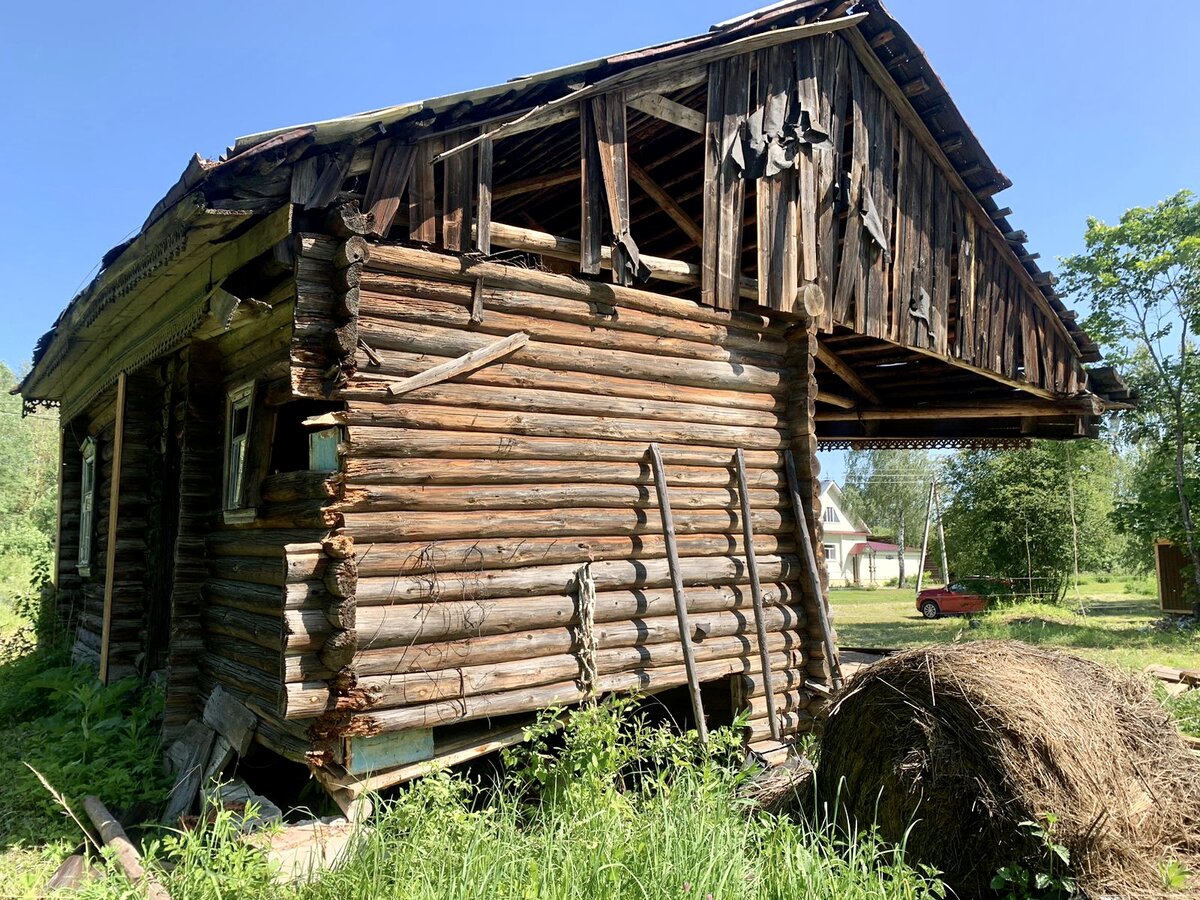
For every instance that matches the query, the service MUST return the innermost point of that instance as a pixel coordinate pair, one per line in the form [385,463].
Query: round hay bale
[949,749]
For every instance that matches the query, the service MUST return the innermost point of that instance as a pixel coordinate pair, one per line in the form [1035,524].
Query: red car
[954,599]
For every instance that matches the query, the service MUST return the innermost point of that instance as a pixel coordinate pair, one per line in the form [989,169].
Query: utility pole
[937,502]
[924,537]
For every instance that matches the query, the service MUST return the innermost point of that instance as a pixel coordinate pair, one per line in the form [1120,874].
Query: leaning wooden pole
[924,538]
[110,549]
[114,837]
[681,613]
[809,557]
[760,625]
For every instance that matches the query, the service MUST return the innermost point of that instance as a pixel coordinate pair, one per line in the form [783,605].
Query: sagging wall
[471,504]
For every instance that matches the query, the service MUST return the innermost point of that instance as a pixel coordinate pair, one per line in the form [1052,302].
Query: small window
[830,515]
[87,506]
[831,552]
[238,412]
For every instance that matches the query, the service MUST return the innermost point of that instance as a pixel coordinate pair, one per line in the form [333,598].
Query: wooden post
[681,613]
[110,550]
[809,558]
[924,538]
[760,625]
[58,516]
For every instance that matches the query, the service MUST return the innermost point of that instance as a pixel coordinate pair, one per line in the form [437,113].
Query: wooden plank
[681,611]
[230,718]
[114,508]
[809,558]
[731,186]
[458,183]
[669,111]
[712,169]
[666,203]
[776,197]
[609,119]
[468,362]
[851,274]
[590,193]
[760,625]
[378,753]
[390,172]
[483,192]
[188,781]
[808,277]
[422,199]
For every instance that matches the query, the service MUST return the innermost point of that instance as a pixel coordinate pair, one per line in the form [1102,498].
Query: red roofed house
[852,556]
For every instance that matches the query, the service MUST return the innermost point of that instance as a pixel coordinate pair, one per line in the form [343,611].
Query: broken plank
[660,107]
[469,362]
[229,717]
[390,173]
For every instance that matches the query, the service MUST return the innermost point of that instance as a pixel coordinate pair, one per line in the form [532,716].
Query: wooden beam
[677,64]
[676,271]
[681,611]
[666,203]
[760,625]
[468,362]
[836,400]
[976,411]
[110,550]
[808,555]
[667,110]
[483,192]
[839,368]
[126,855]
[390,171]
[535,183]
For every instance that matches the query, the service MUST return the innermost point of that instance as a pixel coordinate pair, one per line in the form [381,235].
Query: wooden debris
[228,717]
[125,853]
[302,852]
[189,779]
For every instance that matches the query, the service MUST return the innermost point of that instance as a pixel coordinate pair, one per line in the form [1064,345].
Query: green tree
[1040,513]
[28,488]
[1142,277]
[889,490]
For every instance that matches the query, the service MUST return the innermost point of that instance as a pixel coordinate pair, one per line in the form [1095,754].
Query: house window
[830,515]
[87,506]
[831,552]
[239,407]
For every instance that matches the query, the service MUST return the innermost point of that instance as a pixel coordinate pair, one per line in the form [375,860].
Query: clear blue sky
[1089,108]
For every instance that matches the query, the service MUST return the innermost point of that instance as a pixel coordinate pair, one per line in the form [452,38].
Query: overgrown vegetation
[610,807]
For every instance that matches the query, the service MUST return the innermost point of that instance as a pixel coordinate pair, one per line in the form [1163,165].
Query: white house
[852,555]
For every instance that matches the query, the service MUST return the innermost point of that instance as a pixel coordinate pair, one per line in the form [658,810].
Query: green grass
[1186,710]
[1110,620]
[608,808]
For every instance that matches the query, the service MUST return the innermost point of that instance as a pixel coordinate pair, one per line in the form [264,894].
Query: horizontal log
[734,374]
[390,364]
[391,442]
[360,472]
[407,260]
[384,692]
[662,269]
[369,393]
[303,485]
[532,581]
[981,410]
[536,643]
[418,623]
[452,418]
[798,722]
[455,498]
[531,699]
[383,310]
[261,631]
[568,523]
[729,333]
[375,559]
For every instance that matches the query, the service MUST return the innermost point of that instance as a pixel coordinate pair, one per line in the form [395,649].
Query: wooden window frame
[831,557]
[87,506]
[234,484]
[830,515]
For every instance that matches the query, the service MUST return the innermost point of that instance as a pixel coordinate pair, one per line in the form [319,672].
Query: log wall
[470,505]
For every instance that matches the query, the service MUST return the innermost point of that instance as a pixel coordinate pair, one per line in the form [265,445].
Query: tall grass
[608,808]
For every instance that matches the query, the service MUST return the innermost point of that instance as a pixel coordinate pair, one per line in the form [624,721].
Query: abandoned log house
[403,426]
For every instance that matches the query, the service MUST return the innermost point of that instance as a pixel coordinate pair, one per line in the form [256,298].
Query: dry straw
[951,748]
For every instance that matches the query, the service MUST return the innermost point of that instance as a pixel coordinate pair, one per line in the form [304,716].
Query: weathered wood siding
[472,503]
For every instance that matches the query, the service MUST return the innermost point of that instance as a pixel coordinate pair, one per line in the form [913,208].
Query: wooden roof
[536,181]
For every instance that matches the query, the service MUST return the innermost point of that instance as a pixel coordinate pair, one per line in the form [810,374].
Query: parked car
[952,600]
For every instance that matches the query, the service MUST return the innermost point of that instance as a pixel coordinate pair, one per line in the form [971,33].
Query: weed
[1050,879]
